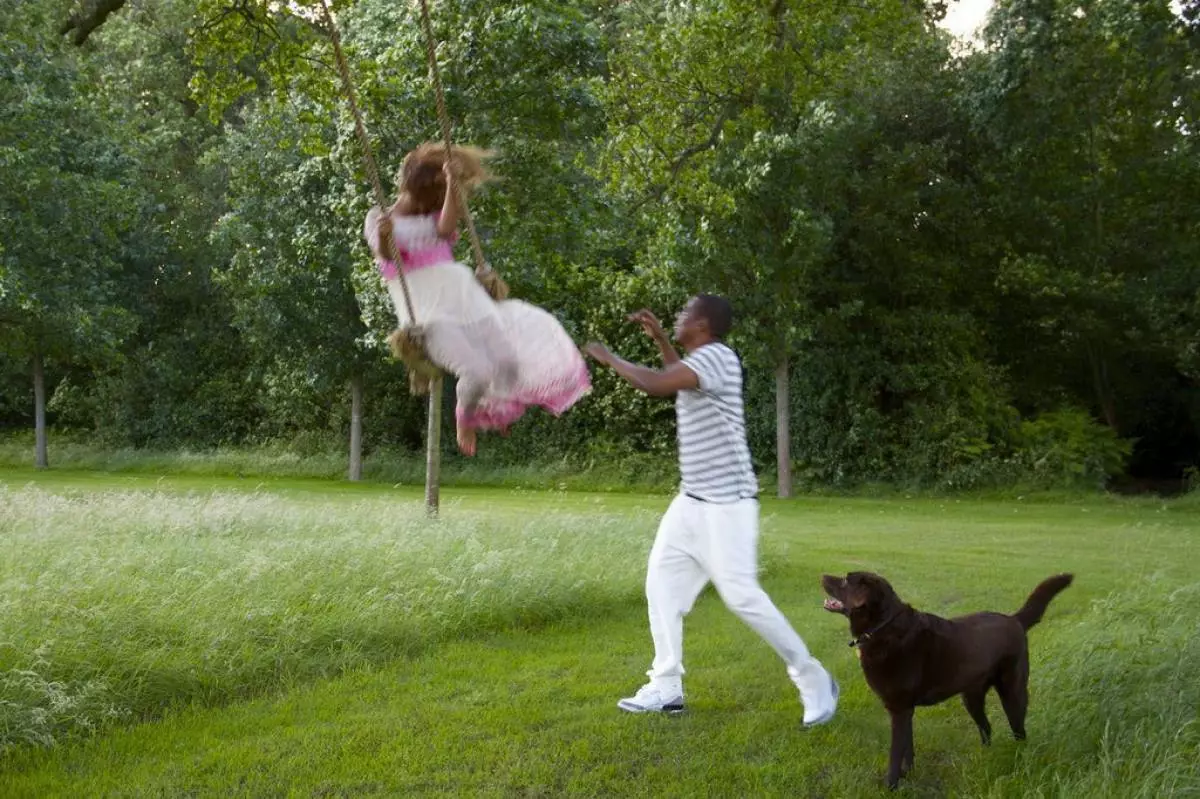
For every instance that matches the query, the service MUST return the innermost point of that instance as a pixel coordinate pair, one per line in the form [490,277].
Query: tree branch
[90,17]
[689,153]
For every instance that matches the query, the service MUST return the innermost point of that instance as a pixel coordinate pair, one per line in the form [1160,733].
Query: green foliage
[253,48]
[1087,114]
[1069,447]
[64,185]
[941,247]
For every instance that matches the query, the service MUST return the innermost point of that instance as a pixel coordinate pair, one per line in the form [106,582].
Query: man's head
[705,318]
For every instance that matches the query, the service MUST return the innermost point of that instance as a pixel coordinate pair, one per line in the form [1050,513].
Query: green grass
[216,637]
[324,458]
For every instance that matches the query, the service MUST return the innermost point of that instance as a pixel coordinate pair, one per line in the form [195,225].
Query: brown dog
[912,658]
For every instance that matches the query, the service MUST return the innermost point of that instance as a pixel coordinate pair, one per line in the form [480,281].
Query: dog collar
[862,639]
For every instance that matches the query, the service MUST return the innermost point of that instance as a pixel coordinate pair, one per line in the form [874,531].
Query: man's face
[688,322]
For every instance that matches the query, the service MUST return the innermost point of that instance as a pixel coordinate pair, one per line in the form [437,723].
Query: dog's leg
[1013,687]
[901,756]
[906,763]
[974,701]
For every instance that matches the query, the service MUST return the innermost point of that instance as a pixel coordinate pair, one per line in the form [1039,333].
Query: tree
[1090,110]
[500,64]
[709,102]
[184,377]
[292,270]
[65,188]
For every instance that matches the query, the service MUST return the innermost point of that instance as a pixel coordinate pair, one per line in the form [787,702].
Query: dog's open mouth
[834,586]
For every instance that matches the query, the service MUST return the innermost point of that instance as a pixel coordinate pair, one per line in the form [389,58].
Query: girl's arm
[447,224]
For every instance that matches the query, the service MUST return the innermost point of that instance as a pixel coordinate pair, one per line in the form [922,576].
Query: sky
[964,16]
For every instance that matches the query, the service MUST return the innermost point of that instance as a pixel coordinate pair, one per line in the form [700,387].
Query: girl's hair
[420,179]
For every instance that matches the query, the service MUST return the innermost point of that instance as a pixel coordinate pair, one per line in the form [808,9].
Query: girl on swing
[508,355]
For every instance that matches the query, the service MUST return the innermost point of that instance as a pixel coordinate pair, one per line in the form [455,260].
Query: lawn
[216,637]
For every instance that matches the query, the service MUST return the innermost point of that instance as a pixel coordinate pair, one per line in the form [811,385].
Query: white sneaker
[650,699]
[816,711]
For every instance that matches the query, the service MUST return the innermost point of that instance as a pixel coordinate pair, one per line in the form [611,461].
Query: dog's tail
[1031,612]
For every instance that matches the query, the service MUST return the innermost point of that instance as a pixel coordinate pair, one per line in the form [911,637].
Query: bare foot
[466,441]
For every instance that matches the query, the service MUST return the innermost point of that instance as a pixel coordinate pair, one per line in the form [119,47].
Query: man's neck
[691,346]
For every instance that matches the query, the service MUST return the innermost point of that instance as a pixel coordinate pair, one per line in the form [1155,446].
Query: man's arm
[657,383]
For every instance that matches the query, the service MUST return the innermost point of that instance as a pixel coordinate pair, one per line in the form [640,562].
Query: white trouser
[701,541]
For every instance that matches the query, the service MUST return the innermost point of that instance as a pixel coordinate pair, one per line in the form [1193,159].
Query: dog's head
[864,597]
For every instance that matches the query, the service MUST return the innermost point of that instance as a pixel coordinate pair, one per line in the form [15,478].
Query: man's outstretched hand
[649,323]
[598,352]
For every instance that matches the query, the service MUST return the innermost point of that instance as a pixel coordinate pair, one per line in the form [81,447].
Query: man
[710,531]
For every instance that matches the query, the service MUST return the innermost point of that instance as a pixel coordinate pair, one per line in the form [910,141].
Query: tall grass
[1118,703]
[117,605]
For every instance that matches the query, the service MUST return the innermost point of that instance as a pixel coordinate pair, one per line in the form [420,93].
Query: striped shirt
[714,459]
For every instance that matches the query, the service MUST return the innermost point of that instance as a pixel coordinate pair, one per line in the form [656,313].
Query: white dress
[507,355]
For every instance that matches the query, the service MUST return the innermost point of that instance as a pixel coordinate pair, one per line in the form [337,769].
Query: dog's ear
[882,592]
[857,591]
[867,588]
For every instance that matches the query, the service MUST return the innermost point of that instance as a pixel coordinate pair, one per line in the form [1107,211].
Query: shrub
[1069,448]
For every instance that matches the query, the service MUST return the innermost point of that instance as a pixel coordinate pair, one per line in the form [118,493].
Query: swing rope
[365,142]
[483,270]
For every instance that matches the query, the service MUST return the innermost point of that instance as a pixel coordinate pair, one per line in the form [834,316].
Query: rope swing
[407,344]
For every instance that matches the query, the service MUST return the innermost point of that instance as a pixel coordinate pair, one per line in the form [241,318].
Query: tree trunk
[433,448]
[356,413]
[39,411]
[1104,394]
[783,433]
